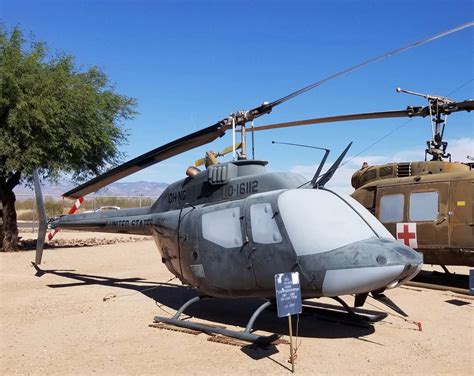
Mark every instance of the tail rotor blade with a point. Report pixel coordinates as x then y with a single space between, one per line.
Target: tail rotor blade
43 222
73 209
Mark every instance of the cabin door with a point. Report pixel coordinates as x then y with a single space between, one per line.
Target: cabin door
417 215
223 252
462 215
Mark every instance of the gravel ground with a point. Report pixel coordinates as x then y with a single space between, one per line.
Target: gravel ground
88 313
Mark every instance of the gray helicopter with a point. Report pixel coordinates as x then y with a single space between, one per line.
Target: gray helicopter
227 230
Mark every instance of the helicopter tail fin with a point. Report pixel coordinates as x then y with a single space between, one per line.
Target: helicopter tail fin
43 222
329 173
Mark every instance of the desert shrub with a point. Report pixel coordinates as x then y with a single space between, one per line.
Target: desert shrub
28 204
25 208
25 215
53 207
123 202
57 206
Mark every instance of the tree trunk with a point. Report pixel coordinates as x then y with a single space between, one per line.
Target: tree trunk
9 241
1 228
10 228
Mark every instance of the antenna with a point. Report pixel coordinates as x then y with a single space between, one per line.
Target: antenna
321 164
233 138
329 173
253 141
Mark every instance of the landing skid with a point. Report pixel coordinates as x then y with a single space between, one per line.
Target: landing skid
445 269
244 335
448 274
344 314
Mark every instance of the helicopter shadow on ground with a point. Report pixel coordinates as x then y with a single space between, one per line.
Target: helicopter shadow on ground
235 312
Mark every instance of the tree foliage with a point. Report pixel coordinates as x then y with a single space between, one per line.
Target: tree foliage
54 116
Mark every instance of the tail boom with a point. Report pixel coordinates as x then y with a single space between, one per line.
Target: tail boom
137 221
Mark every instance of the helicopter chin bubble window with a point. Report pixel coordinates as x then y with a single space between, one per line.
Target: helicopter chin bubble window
423 206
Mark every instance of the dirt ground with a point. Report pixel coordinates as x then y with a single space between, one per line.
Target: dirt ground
88 311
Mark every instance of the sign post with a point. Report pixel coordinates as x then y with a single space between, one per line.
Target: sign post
288 298
292 358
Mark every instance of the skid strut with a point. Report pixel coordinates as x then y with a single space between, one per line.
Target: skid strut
245 335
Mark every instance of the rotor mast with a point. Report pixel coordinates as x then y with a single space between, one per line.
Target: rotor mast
240 119
438 117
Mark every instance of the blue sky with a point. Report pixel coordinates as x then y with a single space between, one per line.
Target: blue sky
191 63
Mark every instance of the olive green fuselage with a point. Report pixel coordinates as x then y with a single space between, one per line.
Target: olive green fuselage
446 239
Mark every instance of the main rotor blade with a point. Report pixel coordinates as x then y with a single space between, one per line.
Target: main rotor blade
209 134
467 105
159 154
367 62
447 108
333 119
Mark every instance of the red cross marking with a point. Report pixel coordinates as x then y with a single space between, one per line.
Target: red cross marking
406 235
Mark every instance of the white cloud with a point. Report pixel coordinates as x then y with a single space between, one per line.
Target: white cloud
461 148
341 181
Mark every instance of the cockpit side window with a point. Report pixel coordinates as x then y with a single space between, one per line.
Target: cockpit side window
423 206
391 208
223 227
264 227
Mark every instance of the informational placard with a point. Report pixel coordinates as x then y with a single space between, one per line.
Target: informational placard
471 282
288 294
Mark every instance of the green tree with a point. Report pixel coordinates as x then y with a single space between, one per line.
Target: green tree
55 117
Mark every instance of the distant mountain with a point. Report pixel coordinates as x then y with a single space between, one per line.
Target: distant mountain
139 188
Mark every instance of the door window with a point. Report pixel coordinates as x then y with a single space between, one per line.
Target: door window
423 206
391 208
222 227
264 227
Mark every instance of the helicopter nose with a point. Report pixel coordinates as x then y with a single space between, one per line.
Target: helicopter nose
363 266
341 248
